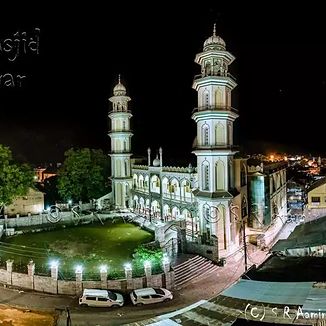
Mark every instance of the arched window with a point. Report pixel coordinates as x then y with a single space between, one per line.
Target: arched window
205 135
219 97
220 176
206 99
126 168
123 125
205 175
243 175
124 145
220 134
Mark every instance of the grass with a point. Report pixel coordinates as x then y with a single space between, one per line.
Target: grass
89 245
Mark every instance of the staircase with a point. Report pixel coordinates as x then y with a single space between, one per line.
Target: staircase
195 267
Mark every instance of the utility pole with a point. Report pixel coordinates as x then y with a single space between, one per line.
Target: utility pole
244 243
242 220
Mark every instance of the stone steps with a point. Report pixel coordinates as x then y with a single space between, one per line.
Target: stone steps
193 268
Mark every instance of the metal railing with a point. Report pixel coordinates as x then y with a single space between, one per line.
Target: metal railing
228 75
214 108
231 147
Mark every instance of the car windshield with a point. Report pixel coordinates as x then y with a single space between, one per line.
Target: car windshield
159 291
112 295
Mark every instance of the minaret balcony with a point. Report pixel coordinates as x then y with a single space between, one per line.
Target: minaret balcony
217 147
215 108
120 131
120 152
217 74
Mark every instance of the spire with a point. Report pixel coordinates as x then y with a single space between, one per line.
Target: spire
214 31
119 79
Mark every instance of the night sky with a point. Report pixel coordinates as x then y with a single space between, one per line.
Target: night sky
63 101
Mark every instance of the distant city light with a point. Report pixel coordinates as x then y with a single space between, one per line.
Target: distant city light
69 201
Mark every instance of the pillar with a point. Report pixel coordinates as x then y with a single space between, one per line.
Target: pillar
54 271
79 280
161 157
30 272
9 263
128 273
104 278
148 269
149 156
31 268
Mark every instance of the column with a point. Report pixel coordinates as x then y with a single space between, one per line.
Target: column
79 280
30 272
104 277
9 263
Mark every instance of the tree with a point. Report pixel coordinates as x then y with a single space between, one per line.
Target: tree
83 175
15 179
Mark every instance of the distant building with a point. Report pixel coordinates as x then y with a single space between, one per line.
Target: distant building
32 202
295 195
267 197
316 195
44 172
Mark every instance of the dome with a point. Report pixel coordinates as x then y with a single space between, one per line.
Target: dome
119 89
156 162
214 42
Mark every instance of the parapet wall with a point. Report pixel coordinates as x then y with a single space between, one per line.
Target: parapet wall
52 285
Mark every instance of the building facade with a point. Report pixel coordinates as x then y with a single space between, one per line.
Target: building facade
208 201
31 203
267 198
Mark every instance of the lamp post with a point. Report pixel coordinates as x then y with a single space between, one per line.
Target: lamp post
244 242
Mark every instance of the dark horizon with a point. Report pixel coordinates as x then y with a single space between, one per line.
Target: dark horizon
63 102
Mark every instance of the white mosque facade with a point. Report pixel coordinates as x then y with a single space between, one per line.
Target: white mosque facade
208 202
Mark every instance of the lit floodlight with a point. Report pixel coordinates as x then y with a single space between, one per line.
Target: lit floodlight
103 269
79 269
54 263
127 266
147 264
69 201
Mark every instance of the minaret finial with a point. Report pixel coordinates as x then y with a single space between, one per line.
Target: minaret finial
214 30
119 78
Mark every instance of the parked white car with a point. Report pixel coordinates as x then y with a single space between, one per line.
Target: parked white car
101 298
150 295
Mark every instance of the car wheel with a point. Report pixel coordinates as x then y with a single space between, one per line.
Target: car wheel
84 305
166 300
139 304
116 306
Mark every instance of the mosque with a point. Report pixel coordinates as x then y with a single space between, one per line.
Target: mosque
207 202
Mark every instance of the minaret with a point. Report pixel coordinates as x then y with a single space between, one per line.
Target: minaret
214 146
120 135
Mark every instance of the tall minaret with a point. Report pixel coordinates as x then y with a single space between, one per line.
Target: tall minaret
120 135
214 146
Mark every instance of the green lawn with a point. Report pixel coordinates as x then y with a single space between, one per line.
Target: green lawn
90 245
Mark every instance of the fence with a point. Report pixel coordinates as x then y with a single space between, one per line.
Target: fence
55 285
